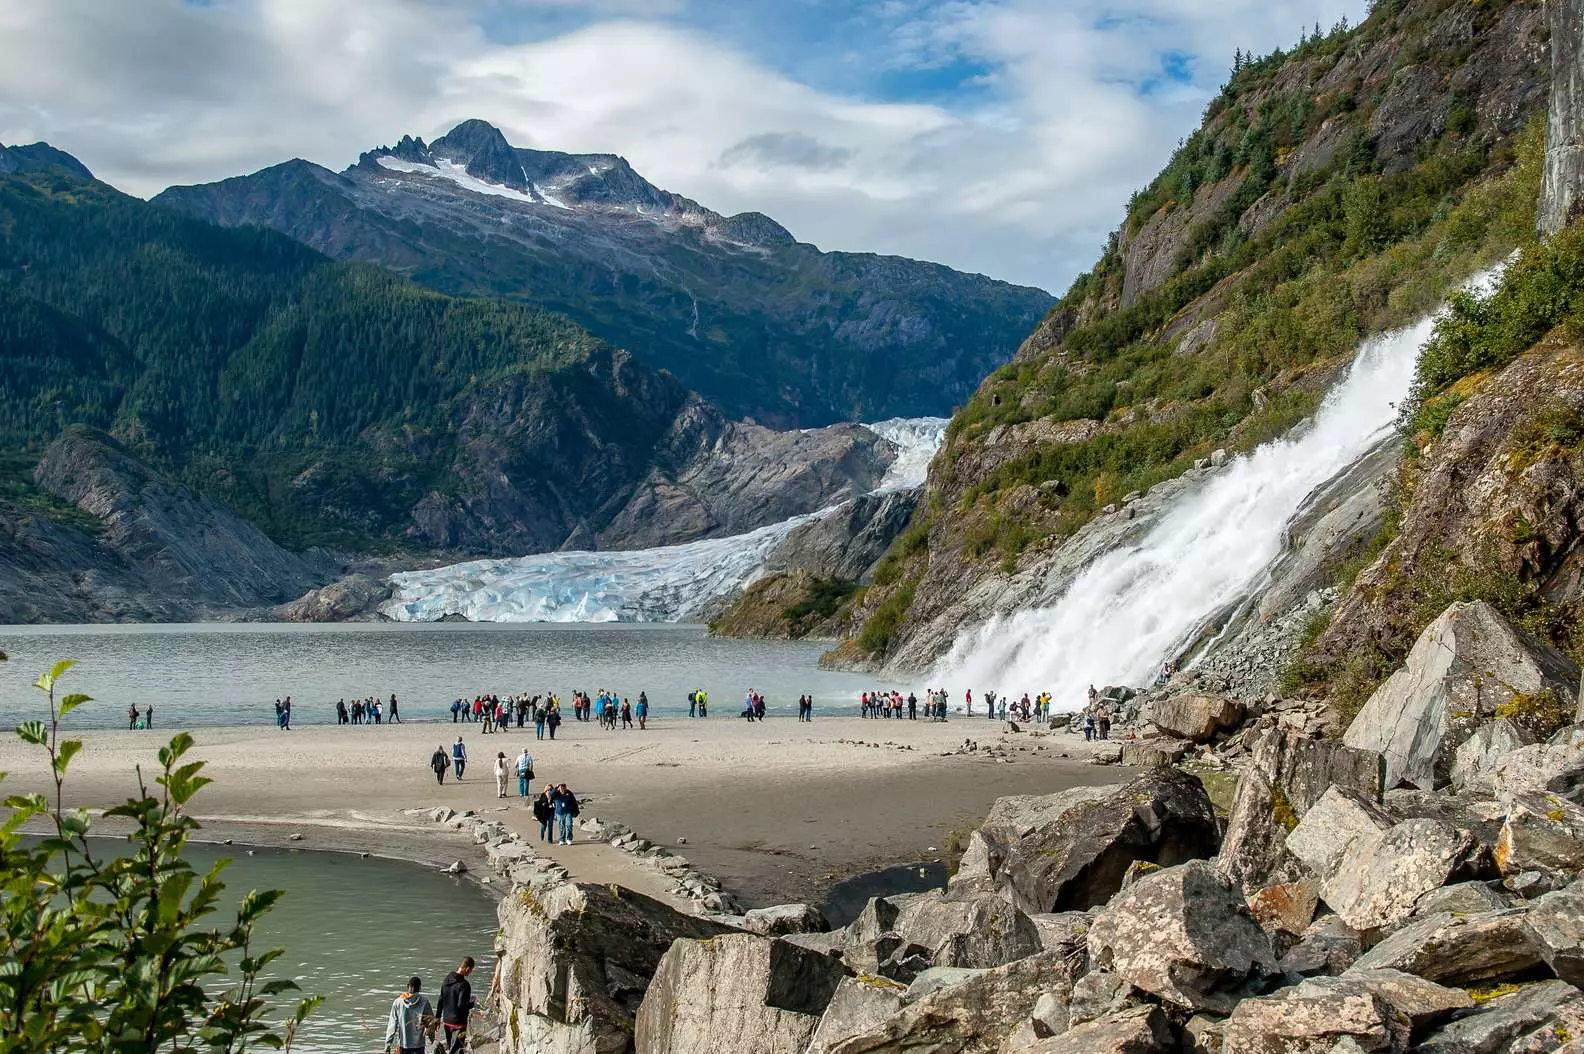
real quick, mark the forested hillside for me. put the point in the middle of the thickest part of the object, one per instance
(1332, 191)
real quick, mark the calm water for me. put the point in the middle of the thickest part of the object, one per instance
(354, 930)
(216, 674)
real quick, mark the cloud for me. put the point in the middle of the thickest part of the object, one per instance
(1000, 136)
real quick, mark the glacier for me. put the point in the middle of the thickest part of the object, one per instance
(673, 583)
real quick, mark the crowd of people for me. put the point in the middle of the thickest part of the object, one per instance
(370, 711)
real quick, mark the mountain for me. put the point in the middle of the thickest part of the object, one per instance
(757, 322)
(1332, 192)
(40, 157)
(255, 390)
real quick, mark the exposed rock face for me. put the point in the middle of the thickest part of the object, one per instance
(975, 931)
(785, 918)
(1070, 850)
(1556, 922)
(355, 596)
(579, 959)
(860, 1005)
(1556, 768)
(1195, 717)
(1543, 832)
(1143, 1030)
(1562, 183)
(847, 543)
(736, 992)
(1383, 874)
(1468, 666)
(1477, 758)
(1184, 934)
(1312, 1017)
(1323, 839)
(158, 550)
(1537, 1018)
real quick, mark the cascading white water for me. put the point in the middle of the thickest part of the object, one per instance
(1135, 606)
(666, 584)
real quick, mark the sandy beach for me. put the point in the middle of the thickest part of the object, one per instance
(778, 810)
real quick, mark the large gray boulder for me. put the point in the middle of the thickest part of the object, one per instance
(785, 918)
(1538, 1017)
(1457, 949)
(1140, 1030)
(1184, 934)
(972, 930)
(1555, 768)
(975, 1017)
(1195, 717)
(1543, 832)
(1468, 667)
(735, 993)
(1556, 922)
(576, 961)
(1288, 773)
(1313, 1018)
(1383, 874)
(1474, 764)
(1322, 839)
(1329, 946)
(860, 1005)
(1070, 850)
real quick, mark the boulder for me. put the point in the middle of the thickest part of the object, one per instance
(1287, 775)
(1556, 922)
(577, 959)
(1423, 1002)
(1384, 873)
(972, 930)
(1552, 768)
(785, 918)
(1534, 1018)
(1070, 850)
(1195, 717)
(1184, 934)
(1099, 993)
(975, 1017)
(859, 1005)
(1543, 832)
(1312, 1018)
(876, 918)
(1141, 1030)
(1458, 949)
(1480, 815)
(1463, 898)
(711, 995)
(1475, 761)
(1329, 946)
(1321, 840)
(936, 978)
(1286, 908)
(1468, 667)
(1153, 753)
(1063, 931)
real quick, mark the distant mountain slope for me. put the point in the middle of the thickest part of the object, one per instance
(339, 404)
(740, 311)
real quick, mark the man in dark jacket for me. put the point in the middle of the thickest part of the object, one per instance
(456, 1002)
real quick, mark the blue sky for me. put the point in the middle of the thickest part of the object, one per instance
(999, 136)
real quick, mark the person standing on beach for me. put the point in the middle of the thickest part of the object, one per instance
(566, 810)
(524, 772)
(409, 1015)
(540, 714)
(456, 1003)
(703, 703)
(437, 761)
(544, 812)
(500, 774)
(553, 721)
(643, 711)
(459, 757)
(148, 716)
(132, 716)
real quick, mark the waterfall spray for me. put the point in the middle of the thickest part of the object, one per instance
(1135, 606)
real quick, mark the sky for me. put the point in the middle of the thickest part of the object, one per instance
(996, 136)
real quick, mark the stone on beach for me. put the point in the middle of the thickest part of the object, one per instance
(1195, 717)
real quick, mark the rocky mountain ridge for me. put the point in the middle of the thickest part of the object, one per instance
(758, 323)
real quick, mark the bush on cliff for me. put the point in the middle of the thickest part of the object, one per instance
(112, 952)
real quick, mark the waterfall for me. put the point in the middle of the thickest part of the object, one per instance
(665, 584)
(1137, 605)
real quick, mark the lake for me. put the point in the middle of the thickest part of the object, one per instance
(232, 673)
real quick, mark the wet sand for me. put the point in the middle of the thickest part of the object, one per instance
(777, 810)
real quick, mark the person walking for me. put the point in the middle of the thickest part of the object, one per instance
(626, 715)
(395, 718)
(148, 716)
(286, 714)
(410, 1017)
(437, 761)
(459, 757)
(566, 810)
(553, 721)
(456, 1003)
(501, 772)
(524, 772)
(642, 710)
(693, 703)
(541, 713)
(544, 812)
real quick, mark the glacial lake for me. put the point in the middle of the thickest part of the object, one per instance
(232, 673)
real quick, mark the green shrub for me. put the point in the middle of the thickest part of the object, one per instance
(877, 632)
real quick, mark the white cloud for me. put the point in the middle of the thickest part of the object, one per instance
(1022, 182)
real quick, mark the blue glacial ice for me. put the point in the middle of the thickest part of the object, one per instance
(673, 583)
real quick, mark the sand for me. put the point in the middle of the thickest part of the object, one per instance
(778, 810)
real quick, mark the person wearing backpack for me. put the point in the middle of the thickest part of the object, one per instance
(524, 772)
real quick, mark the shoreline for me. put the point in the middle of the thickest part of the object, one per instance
(777, 812)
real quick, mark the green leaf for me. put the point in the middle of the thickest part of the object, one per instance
(72, 702)
(33, 732)
(47, 681)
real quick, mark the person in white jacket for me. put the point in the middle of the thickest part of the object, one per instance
(409, 1015)
(500, 774)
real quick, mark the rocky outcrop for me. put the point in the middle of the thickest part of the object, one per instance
(1071, 850)
(1544, 833)
(1535, 1018)
(1556, 925)
(1143, 1030)
(735, 992)
(1562, 181)
(1195, 717)
(357, 596)
(1469, 666)
(1383, 874)
(136, 546)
